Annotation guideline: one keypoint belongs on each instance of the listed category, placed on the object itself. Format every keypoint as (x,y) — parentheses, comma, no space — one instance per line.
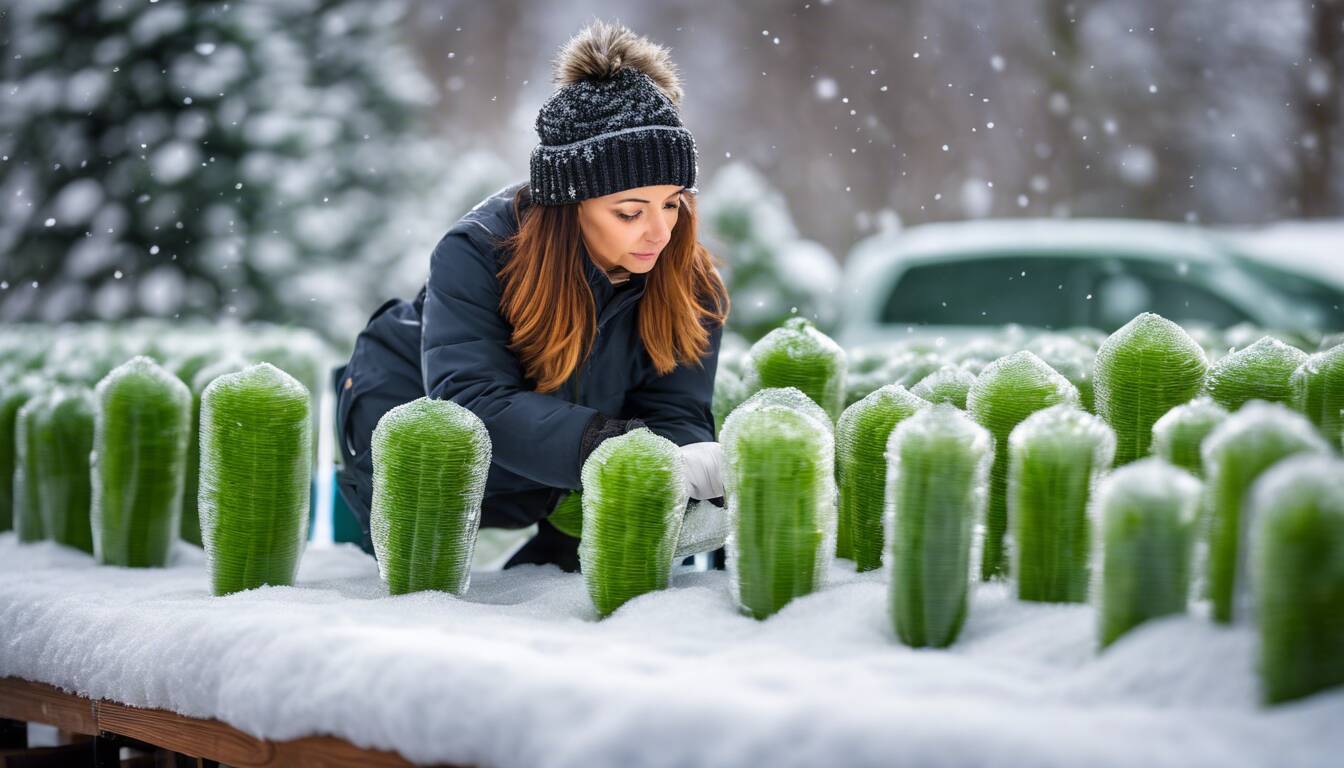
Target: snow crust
(520,672)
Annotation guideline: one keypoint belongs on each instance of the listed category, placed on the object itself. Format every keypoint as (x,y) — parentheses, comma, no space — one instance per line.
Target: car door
(1029,289)
(1121,287)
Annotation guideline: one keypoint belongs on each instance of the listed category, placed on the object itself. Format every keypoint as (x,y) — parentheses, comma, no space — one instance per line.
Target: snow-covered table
(520,673)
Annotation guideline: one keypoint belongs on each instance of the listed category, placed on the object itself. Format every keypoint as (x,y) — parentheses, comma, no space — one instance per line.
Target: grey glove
(704,469)
(704,528)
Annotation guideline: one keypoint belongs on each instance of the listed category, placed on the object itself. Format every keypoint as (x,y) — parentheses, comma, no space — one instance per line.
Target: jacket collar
(597,277)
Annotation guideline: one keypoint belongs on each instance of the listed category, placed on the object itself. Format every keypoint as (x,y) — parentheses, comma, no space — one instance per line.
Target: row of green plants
(194,437)
(1172,478)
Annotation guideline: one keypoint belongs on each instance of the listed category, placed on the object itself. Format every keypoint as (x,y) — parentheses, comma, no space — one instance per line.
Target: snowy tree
(181,158)
(772,273)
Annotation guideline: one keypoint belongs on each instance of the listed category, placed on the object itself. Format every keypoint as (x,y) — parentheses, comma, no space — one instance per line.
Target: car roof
(880,259)
(1310,249)
(1082,238)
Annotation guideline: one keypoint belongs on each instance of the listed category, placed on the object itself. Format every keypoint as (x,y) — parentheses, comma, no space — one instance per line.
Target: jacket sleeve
(465,358)
(677,405)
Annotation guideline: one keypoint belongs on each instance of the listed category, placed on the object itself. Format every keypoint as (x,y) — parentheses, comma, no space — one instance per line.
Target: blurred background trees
(296,160)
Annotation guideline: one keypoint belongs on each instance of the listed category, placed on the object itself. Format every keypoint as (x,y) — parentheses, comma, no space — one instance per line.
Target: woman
(565,310)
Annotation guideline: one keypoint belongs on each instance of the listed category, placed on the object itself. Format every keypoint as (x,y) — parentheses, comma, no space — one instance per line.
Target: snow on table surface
(520,672)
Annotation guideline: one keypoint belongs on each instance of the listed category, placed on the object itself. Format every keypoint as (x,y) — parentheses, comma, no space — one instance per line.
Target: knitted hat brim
(643,156)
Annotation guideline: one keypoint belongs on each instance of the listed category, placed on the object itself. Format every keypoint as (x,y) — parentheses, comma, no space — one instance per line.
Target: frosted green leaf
(28,523)
(938,462)
(190,526)
(185,366)
(861,471)
(1178,435)
(1072,359)
(15,390)
(1297,575)
(949,384)
(567,517)
(780,483)
(788,397)
(141,426)
(1056,458)
(1147,511)
(430,461)
(1235,454)
(1007,391)
(301,354)
(729,392)
(60,438)
(634,494)
(1318,392)
(860,385)
(909,367)
(255,472)
(1262,371)
(798,355)
(1143,370)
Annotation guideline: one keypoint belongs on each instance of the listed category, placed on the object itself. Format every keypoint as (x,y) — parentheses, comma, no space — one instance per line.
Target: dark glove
(601,427)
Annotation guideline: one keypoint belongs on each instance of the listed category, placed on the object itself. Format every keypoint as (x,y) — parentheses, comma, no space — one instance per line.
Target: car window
(1318,305)
(1032,290)
(1122,288)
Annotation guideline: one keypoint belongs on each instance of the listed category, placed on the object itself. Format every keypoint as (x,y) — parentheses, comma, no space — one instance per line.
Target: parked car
(1302,259)
(954,280)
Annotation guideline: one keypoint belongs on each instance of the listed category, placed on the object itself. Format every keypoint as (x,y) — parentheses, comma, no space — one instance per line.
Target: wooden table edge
(33,702)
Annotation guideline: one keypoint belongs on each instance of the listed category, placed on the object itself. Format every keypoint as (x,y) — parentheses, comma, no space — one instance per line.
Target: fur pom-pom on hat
(600,50)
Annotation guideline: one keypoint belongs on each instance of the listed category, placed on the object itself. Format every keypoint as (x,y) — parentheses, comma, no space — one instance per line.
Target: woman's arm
(465,358)
(677,405)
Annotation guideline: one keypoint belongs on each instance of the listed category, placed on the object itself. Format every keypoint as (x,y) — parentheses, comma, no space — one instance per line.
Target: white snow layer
(520,672)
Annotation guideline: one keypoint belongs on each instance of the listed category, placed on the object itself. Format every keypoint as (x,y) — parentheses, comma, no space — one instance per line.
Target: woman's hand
(704,469)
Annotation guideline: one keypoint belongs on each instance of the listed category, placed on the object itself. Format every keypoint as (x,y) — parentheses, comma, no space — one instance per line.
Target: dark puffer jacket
(452,342)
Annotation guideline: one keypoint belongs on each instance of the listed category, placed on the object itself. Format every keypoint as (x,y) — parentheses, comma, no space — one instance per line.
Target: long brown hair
(547,299)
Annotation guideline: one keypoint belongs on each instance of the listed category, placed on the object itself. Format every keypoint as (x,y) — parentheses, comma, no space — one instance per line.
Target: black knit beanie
(613,124)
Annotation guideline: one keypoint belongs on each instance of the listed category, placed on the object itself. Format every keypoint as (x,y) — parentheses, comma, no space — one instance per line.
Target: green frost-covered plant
(255,472)
(798,355)
(1261,371)
(567,517)
(1072,358)
(15,390)
(1056,458)
(1007,391)
(938,463)
(60,435)
(185,367)
(28,523)
(861,471)
(1178,435)
(729,392)
(141,427)
(634,495)
(190,527)
(1297,575)
(780,484)
(1249,442)
(430,460)
(948,384)
(1143,370)
(1318,392)
(1147,511)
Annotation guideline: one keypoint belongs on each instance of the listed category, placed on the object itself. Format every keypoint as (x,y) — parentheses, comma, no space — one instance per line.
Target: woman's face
(630,228)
